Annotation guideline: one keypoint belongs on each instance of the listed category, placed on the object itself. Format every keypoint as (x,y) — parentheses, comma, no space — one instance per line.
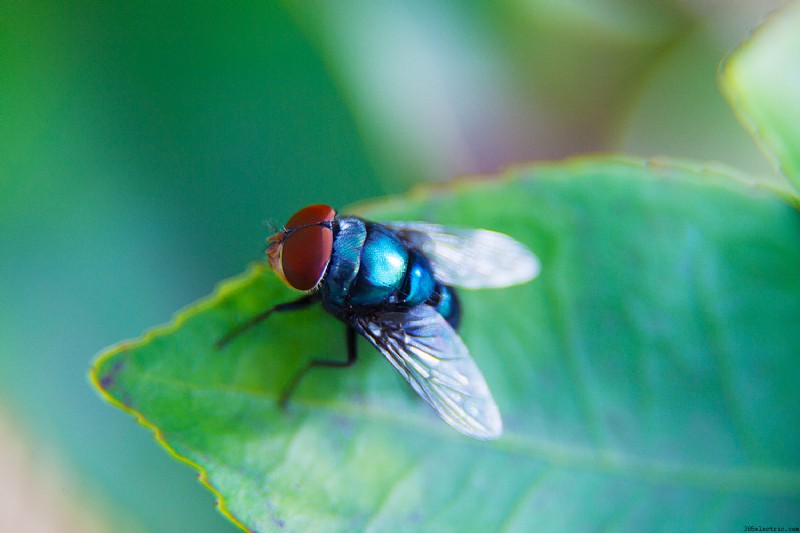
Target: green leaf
(762,81)
(648,379)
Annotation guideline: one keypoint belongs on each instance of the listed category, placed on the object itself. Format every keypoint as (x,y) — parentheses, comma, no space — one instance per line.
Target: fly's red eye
(310,215)
(300,253)
(305,255)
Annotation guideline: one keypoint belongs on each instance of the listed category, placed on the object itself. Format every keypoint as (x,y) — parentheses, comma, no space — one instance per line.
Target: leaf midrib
(771,481)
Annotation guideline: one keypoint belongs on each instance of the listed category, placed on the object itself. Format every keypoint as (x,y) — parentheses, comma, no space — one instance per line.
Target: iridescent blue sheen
(383,267)
(448,305)
(345,259)
(371,266)
(419,283)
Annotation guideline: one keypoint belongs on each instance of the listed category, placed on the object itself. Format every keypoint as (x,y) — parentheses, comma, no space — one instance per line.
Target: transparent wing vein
(472,258)
(431,356)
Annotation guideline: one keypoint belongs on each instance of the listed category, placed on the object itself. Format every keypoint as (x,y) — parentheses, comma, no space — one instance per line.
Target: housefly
(393,284)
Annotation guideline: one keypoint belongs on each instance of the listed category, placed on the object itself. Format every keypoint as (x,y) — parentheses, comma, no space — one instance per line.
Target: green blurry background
(144,146)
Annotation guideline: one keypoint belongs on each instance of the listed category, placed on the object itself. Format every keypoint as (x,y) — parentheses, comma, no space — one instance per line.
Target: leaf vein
(723,479)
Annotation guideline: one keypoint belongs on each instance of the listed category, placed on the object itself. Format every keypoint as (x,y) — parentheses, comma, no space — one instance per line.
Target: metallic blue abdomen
(371,267)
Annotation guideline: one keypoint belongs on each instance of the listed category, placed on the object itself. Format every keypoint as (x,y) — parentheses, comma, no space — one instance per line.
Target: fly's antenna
(272,227)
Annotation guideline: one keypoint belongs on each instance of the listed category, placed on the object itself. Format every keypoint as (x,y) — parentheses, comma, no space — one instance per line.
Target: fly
(393,284)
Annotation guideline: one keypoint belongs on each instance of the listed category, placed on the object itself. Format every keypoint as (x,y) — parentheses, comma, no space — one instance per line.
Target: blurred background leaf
(762,81)
(143,145)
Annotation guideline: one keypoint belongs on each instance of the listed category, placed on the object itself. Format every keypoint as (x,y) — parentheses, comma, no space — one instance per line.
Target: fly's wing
(471,258)
(430,355)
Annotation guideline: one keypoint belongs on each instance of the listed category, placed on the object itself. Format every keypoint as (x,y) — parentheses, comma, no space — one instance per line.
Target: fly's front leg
(324,363)
(294,305)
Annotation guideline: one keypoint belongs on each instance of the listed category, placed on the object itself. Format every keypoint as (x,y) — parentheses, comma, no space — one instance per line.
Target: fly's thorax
(367,267)
(371,267)
(349,236)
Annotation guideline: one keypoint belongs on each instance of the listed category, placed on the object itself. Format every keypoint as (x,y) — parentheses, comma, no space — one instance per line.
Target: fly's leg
(300,303)
(324,363)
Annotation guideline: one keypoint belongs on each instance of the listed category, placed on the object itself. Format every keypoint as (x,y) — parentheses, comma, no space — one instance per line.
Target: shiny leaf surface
(648,379)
